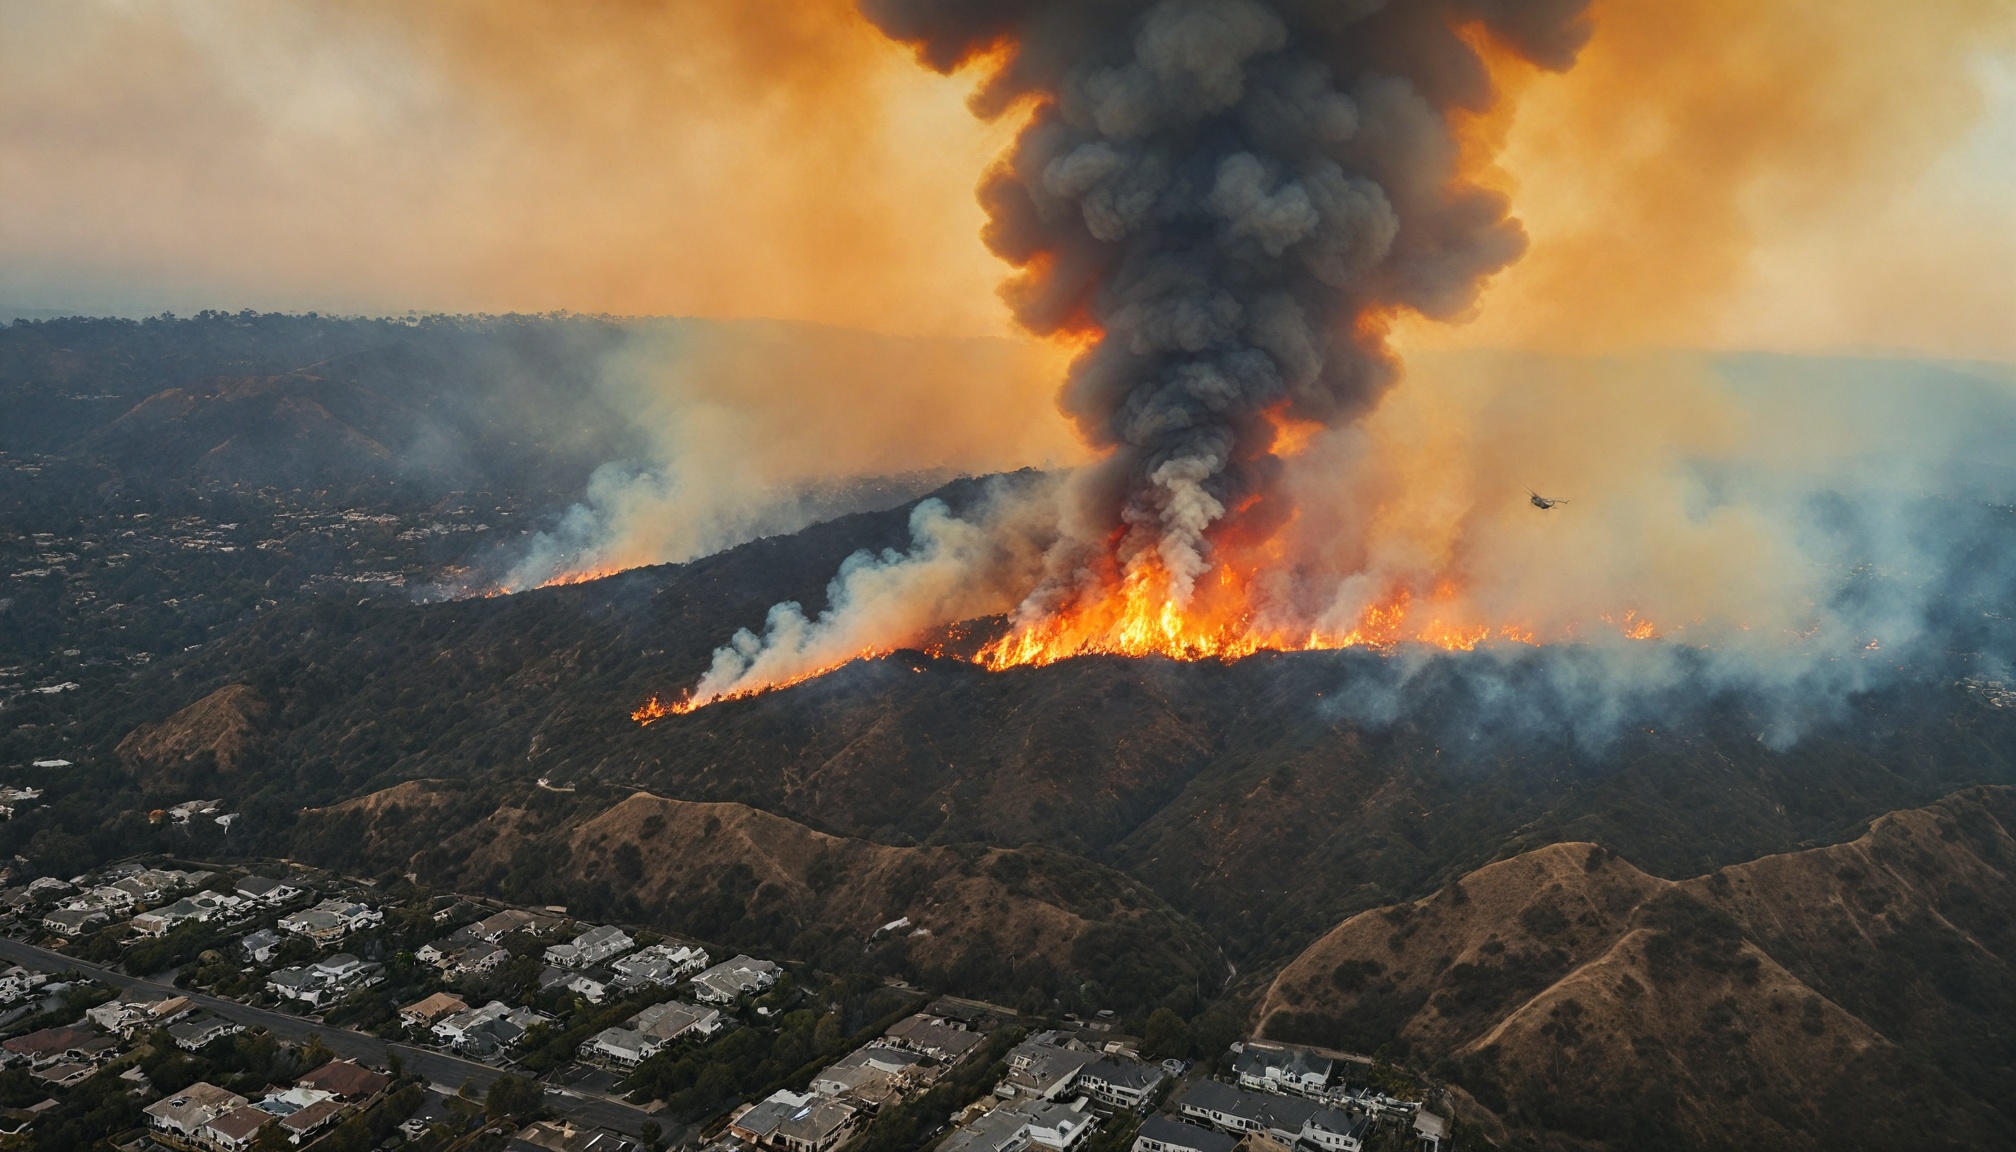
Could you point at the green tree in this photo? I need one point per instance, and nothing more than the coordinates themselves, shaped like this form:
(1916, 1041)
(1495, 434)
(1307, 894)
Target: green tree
(829, 1036)
(1166, 1035)
(513, 1097)
(315, 1053)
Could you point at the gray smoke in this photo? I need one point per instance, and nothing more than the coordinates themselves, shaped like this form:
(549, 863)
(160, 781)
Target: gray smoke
(1235, 195)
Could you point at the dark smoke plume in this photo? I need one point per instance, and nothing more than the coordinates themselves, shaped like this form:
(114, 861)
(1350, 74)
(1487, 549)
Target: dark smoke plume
(1235, 196)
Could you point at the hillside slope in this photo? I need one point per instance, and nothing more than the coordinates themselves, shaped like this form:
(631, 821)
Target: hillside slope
(1003, 922)
(1861, 995)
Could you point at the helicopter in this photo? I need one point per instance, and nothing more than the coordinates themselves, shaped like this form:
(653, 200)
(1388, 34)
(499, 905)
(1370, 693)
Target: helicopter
(1542, 502)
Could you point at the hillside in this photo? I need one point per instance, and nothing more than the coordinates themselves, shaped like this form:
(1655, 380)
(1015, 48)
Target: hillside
(1023, 924)
(1854, 996)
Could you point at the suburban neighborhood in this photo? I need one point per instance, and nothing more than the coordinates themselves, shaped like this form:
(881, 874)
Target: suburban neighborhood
(571, 1036)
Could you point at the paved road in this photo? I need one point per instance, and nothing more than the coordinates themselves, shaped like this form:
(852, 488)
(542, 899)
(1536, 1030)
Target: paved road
(439, 1067)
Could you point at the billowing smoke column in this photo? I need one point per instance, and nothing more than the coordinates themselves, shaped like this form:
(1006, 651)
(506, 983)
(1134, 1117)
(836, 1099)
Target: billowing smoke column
(1230, 198)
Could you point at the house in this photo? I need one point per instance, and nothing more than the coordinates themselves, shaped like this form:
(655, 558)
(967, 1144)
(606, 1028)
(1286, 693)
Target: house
(130, 1017)
(1041, 1066)
(494, 928)
(190, 809)
(199, 1030)
(49, 887)
(291, 1100)
(202, 907)
(757, 1124)
(1001, 1130)
(726, 981)
(48, 1046)
(436, 951)
(1286, 1118)
(1282, 1068)
(331, 920)
(1121, 1083)
(562, 1136)
(935, 1038)
(1430, 1130)
(486, 1030)
(235, 1130)
(186, 1112)
(815, 1127)
(324, 980)
(312, 1118)
(590, 948)
(592, 986)
(1012, 1127)
(662, 965)
(262, 890)
(17, 982)
(426, 1012)
(67, 1074)
(1163, 1134)
(624, 1047)
(73, 921)
(113, 900)
(648, 1032)
(671, 1020)
(295, 983)
(875, 1074)
(1053, 1125)
(346, 1080)
(476, 959)
(258, 947)
(344, 968)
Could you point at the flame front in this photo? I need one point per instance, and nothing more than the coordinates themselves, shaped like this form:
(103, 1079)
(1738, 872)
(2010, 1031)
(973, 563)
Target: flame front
(1140, 620)
(1139, 617)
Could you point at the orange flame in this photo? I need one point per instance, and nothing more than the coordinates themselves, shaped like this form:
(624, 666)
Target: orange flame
(658, 708)
(1140, 618)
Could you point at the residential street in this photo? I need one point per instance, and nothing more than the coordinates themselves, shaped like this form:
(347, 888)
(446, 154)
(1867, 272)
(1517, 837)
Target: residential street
(441, 1069)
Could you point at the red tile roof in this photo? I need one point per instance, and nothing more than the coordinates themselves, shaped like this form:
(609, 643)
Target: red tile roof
(345, 1079)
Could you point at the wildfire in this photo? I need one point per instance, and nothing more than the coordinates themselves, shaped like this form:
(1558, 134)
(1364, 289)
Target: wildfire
(658, 708)
(582, 577)
(1140, 618)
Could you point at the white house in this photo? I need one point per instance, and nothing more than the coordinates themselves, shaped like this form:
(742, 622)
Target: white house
(1033, 1121)
(1120, 1083)
(591, 948)
(331, 920)
(129, 1017)
(1288, 1119)
(1265, 1067)
(264, 890)
(660, 964)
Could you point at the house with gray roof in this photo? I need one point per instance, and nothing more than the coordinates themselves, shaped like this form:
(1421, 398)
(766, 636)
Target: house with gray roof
(726, 981)
(1287, 1118)
(1026, 1123)
(591, 948)
(1282, 1068)
(1044, 1066)
(1167, 1134)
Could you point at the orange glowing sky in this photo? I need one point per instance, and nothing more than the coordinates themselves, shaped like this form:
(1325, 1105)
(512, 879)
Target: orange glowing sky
(1780, 173)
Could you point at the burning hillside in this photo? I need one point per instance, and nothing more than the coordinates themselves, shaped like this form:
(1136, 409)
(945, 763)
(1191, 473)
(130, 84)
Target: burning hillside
(1226, 202)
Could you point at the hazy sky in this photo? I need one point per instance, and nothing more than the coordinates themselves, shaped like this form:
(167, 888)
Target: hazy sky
(1762, 173)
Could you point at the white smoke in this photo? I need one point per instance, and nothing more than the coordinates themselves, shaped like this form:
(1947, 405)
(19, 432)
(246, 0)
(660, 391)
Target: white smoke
(955, 569)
